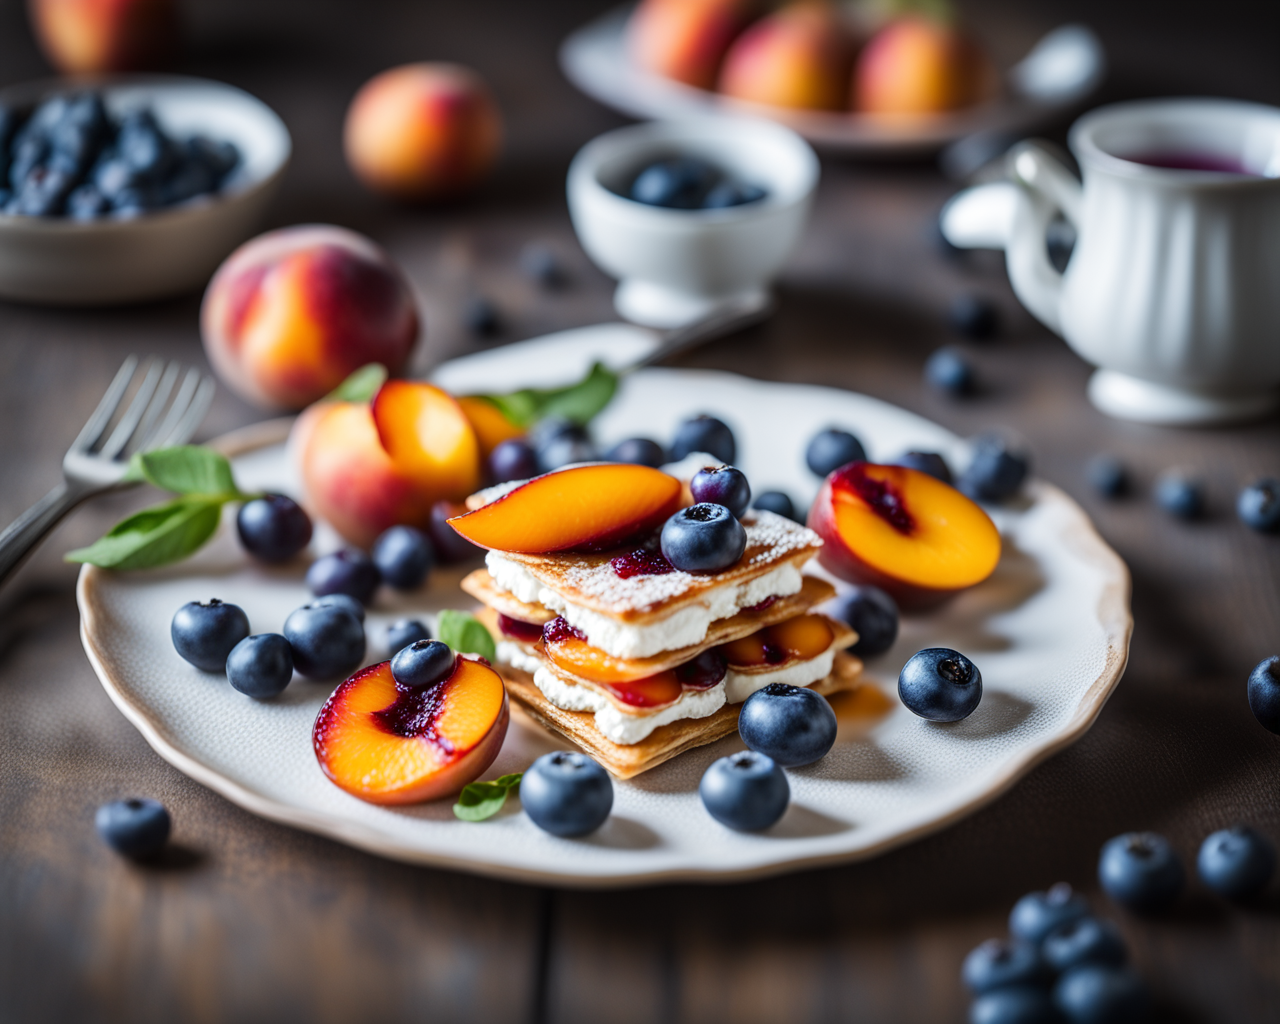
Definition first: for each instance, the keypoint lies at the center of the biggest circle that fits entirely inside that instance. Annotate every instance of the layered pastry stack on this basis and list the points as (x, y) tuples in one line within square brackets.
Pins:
[(636, 661)]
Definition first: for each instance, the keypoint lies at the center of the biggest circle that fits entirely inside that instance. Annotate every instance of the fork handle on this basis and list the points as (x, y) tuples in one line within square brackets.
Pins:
[(22, 535)]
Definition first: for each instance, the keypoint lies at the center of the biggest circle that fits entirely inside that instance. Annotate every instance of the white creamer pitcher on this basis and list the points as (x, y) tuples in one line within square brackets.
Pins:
[(1173, 288)]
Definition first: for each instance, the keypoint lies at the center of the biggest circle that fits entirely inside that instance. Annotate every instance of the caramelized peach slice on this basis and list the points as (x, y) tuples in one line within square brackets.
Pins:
[(568, 648), (428, 436), (388, 745), (584, 508), (802, 638), (903, 531), (486, 419), (652, 692)]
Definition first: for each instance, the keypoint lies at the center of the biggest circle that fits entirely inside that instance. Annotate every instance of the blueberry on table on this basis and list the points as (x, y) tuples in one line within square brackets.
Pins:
[(1180, 494), (540, 265), (513, 459), (1020, 1004), (732, 193), (404, 556), (777, 502), (1264, 693), (423, 663), (746, 791), (1258, 505), (1036, 914), (349, 572), (328, 642), (1107, 475), (638, 451), (1085, 940), (273, 528), (926, 462), (450, 545), (681, 183), (566, 793), (1001, 963), (402, 633), (261, 666), (972, 316), (790, 724), (940, 684), (561, 443), (997, 469), (873, 615), (703, 538), (1236, 862), (204, 634), (949, 371), (481, 318), (344, 601), (135, 827), (1098, 994), (704, 434), (832, 448), (1141, 871), (722, 485)]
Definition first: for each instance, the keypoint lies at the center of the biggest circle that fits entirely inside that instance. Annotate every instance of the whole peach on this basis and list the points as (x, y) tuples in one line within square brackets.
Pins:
[(917, 66), (95, 36), (685, 39), (292, 313), (422, 131)]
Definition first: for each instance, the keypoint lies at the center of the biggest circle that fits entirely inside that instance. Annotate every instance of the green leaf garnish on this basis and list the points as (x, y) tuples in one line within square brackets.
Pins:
[(464, 633), (480, 800), (155, 536), (361, 385), (189, 469), (578, 403)]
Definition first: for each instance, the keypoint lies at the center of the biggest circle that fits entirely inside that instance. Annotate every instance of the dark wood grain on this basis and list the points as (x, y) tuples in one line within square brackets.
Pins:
[(248, 921)]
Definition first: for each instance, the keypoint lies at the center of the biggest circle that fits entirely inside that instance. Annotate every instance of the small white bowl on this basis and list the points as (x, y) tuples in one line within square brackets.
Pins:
[(675, 266), (56, 260)]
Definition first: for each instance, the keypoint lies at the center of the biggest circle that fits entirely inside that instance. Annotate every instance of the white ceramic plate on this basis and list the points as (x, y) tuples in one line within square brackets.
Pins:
[(1050, 632), (1062, 69)]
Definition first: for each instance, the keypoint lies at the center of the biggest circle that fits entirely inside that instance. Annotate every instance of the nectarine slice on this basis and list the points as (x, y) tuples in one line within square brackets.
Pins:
[(651, 692), (427, 435), (586, 508), (568, 648), (390, 745), (486, 419), (903, 531), (801, 638)]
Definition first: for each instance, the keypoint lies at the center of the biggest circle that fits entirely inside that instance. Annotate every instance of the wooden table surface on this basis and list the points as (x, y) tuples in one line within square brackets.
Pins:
[(250, 921)]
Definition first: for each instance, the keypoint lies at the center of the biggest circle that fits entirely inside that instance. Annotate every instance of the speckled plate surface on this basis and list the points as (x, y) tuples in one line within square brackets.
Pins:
[(1050, 632)]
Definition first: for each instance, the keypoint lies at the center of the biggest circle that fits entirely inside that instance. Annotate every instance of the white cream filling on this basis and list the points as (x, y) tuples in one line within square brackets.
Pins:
[(685, 626), (738, 686), (514, 655)]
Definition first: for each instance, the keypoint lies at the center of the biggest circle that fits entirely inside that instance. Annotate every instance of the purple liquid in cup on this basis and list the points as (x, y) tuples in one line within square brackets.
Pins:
[(1192, 160)]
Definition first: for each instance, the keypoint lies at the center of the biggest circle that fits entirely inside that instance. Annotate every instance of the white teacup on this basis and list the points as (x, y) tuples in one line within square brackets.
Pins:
[(1173, 288)]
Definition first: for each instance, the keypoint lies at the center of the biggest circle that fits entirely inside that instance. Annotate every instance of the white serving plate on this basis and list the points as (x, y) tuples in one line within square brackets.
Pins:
[(1050, 632), (1059, 72)]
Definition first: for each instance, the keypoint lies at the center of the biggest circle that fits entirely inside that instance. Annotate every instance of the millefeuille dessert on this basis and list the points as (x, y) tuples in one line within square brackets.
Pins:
[(606, 640)]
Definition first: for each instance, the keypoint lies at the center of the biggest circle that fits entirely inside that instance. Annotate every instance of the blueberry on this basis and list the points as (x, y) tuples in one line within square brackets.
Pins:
[(745, 791), (112, 176), (1107, 475), (136, 827), (541, 266), (404, 556), (832, 448), (1017, 1005), (513, 459), (679, 184), (1000, 963), (1085, 940), (566, 793), (1259, 505), (349, 572), (144, 146), (404, 632), (948, 370), (972, 316), (1264, 693), (328, 641), (926, 462), (778, 503), (790, 724), (1180, 494), (273, 528), (703, 538), (186, 179), (219, 156), (873, 615), (732, 193), (344, 601), (1236, 862), (204, 634), (1097, 994), (481, 317), (423, 663), (722, 485), (134, 201), (86, 203), (638, 451), (1036, 914), (1139, 870), (704, 434), (561, 443), (261, 666), (996, 471), (940, 684), (450, 545)]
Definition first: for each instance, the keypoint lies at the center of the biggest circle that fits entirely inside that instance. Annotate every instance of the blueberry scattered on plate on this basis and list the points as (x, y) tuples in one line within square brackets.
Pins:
[(1000, 963), (746, 791), (423, 663), (790, 724), (402, 633), (1107, 475), (940, 684), (1180, 494), (832, 448), (273, 528), (345, 601), (404, 557), (1017, 1005), (1236, 862), (566, 793), (873, 615), (1085, 940), (722, 485), (638, 451), (1141, 871), (1258, 505), (205, 633), (688, 183), (541, 265), (560, 443), (997, 470), (927, 462), (328, 642), (261, 666), (703, 538), (513, 459), (778, 502), (705, 434), (1099, 994), (972, 316), (949, 371), (136, 827), (1036, 914), (1264, 693), (349, 572)]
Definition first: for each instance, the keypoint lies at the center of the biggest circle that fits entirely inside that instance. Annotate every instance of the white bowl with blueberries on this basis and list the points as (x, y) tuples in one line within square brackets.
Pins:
[(129, 189), (691, 215)]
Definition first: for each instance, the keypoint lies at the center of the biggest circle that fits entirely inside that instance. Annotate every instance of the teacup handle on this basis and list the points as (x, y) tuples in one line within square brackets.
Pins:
[(1047, 187)]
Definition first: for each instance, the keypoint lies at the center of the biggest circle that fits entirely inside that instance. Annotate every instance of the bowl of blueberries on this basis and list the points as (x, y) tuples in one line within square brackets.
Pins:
[(690, 215), (129, 189)]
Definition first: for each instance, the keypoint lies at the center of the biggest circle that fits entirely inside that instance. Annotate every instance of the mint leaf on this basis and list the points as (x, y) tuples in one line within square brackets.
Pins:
[(155, 536), (189, 469), (361, 385), (481, 800), (464, 633), (578, 403)]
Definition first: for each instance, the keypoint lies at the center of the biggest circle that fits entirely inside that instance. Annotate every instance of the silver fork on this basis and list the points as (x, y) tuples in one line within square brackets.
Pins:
[(97, 460)]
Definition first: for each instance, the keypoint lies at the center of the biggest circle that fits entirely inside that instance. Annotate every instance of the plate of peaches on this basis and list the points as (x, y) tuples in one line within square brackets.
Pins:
[(850, 78), (636, 659)]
